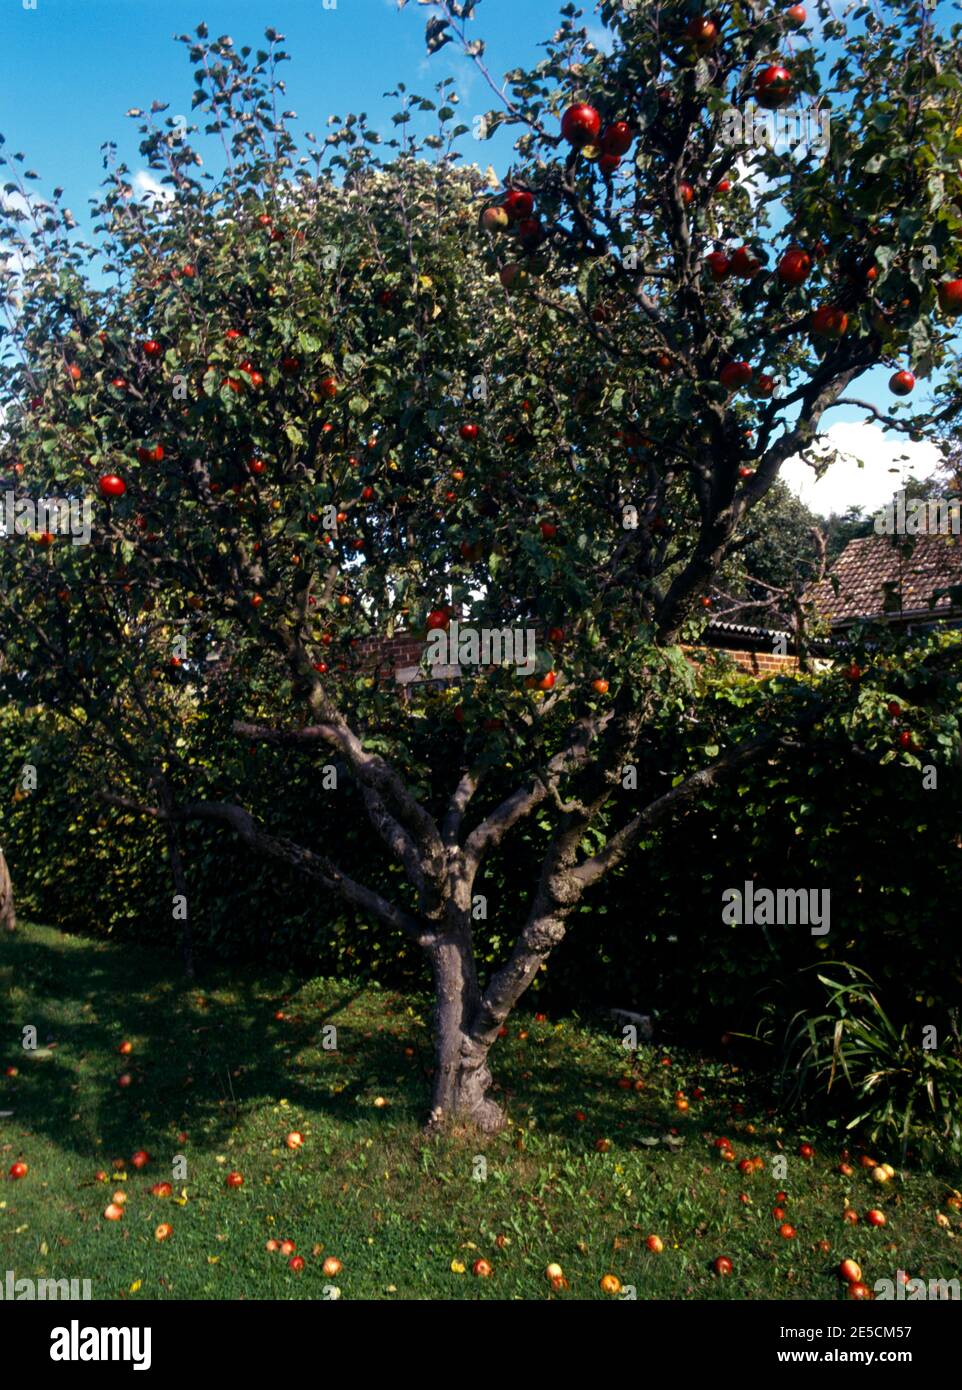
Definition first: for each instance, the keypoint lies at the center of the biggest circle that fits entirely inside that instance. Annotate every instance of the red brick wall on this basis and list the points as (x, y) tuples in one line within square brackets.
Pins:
[(406, 650)]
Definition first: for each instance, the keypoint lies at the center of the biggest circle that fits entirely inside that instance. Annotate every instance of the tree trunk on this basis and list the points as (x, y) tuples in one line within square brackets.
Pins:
[(461, 1075), (8, 917)]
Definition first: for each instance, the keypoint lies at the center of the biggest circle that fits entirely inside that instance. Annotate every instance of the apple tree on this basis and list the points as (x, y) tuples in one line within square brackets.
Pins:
[(331, 396)]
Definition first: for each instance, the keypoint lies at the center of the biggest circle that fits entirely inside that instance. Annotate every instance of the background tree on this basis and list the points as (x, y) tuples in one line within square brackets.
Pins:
[(313, 417)]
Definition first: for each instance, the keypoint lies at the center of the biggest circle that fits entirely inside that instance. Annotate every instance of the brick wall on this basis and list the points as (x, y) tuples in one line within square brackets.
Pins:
[(402, 655)]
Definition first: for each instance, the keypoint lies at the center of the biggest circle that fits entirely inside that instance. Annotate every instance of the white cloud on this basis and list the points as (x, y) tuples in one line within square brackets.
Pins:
[(886, 461), (146, 184)]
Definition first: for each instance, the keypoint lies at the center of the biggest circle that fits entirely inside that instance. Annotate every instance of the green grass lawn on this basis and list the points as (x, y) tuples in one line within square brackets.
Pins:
[(406, 1217)]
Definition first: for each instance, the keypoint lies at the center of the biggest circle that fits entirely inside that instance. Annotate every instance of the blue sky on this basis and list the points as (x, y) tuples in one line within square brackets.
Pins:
[(69, 69)]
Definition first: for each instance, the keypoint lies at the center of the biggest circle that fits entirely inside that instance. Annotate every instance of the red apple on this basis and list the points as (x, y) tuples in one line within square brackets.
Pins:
[(140, 1159), (902, 383), (850, 1271), (608, 163), (468, 432), (786, 1231), (795, 266), (124, 1081), (723, 186), (655, 1244), (296, 1264), (702, 33), (548, 530), (481, 1269), (112, 486), (600, 686), (950, 297), (734, 375), (806, 1151), (112, 1212), (125, 1049), (829, 321), (152, 348), (580, 125), (773, 86), (617, 138), (875, 1217), (859, 1291), (295, 1139), (722, 1265), (719, 265), (744, 264), (547, 681), (796, 16), (19, 1170), (234, 1180), (518, 204)]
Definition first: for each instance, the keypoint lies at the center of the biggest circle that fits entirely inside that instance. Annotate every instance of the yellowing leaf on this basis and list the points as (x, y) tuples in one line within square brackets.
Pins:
[(457, 1267), (135, 1286)]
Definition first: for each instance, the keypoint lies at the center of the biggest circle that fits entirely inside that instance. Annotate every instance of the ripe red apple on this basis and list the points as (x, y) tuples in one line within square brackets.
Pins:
[(828, 321), (530, 232), (548, 530), (234, 1180), (744, 264), (124, 1081), (140, 1159), (617, 138), (125, 1049), (875, 1217), (161, 1189), (580, 125), (602, 1145), (723, 186), (734, 375), (719, 265), (290, 366), (295, 1139), (655, 1244), (19, 1170), (702, 32), (859, 1291), (902, 383), (608, 163), (547, 681), (118, 382), (600, 686), (950, 297), (773, 86), (518, 204), (850, 1216), (850, 1271), (151, 348), (786, 1231), (795, 266), (437, 618), (287, 1247), (328, 387), (763, 386), (796, 16), (296, 1264), (468, 432), (905, 739), (806, 1151), (722, 1265), (481, 1269), (112, 486), (687, 193)]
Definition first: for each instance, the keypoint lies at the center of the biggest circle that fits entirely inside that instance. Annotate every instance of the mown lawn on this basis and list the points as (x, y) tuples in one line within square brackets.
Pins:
[(407, 1218)]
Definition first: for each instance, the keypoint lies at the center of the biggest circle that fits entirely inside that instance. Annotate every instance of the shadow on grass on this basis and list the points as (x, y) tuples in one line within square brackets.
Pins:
[(203, 1054)]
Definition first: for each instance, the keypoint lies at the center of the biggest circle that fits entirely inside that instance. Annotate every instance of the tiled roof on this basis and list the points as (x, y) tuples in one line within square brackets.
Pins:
[(885, 576)]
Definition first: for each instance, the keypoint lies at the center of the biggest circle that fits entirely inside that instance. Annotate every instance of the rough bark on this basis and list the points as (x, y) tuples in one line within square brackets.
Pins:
[(461, 1074), (8, 916)]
